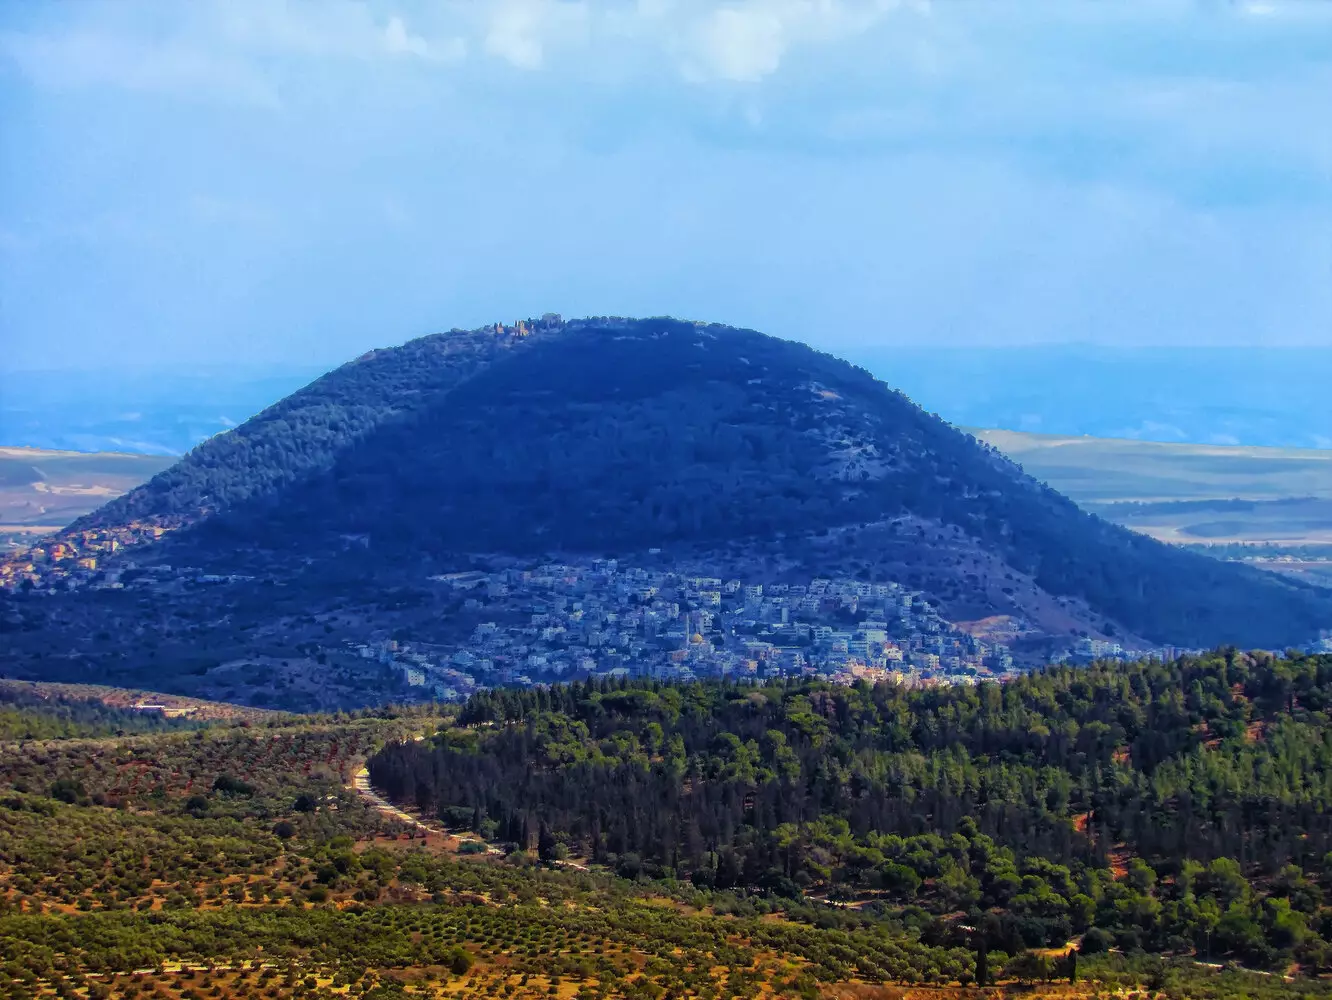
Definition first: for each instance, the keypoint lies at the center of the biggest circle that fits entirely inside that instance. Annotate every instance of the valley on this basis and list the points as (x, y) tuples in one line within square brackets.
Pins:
[(1105, 471), (232, 856), (42, 491), (1270, 508)]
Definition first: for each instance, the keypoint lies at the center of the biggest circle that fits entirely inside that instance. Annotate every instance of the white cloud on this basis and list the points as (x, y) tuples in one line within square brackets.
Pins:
[(747, 41), (398, 40), (730, 40), (522, 31), (742, 43), (772, 169), (513, 37), (330, 29)]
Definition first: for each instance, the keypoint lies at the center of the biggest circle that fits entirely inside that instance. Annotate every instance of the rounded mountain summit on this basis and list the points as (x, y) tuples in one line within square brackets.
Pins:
[(717, 446)]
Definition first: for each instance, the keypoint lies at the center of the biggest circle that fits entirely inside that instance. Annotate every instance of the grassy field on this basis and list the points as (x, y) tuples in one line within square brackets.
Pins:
[(41, 491), (1298, 521)]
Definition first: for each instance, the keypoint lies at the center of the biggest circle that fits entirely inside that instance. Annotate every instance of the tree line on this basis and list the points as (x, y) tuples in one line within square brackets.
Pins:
[(1179, 806)]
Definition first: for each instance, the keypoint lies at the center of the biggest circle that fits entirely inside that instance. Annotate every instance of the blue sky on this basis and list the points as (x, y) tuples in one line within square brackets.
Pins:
[(204, 182)]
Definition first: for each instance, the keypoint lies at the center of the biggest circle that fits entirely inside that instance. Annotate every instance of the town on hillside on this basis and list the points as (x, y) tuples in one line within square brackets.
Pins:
[(571, 620)]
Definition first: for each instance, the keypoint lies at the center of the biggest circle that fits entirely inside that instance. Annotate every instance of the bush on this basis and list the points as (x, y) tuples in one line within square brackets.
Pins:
[(1029, 967), (1095, 942), (228, 785), (461, 961), (69, 791)]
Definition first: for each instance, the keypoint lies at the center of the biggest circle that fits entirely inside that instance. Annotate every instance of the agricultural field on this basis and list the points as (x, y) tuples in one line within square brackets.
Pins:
[(1268, 507), (236, 859), (1106, 471)]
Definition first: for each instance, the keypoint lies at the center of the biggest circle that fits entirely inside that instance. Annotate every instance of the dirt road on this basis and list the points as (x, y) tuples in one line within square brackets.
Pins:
[(361, 782)]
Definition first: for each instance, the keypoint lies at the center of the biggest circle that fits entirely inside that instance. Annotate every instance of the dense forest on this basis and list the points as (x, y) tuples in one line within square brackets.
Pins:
[(1178, 807), (615, 436)]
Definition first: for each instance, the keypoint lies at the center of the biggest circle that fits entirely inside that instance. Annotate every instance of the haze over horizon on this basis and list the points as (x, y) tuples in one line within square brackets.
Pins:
[(1198, 395), (292, 184)]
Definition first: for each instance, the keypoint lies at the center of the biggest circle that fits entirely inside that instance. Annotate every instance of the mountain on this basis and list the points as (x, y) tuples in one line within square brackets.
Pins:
[(1260, 396), (617, 436)]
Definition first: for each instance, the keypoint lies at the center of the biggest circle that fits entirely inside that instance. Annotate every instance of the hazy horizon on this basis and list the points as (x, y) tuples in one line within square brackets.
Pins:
[(1228, 395), (1092, 351)]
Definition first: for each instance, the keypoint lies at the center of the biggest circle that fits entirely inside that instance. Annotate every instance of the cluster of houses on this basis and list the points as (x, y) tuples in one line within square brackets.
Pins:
[(599, 619), (71, 559), (77, 560), (1088, 650)]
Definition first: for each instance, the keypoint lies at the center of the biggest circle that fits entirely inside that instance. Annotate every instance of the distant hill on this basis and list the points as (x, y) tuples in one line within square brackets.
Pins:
[(616, 436), (41, 491)]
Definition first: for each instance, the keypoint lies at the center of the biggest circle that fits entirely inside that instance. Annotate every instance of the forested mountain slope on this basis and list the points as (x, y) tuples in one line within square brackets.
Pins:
[(619, 435), (303, 433), (1171, 807)]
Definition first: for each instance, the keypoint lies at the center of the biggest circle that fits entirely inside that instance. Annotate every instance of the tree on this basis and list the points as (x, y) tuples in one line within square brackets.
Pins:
[(546, 844), (1028, 967)]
